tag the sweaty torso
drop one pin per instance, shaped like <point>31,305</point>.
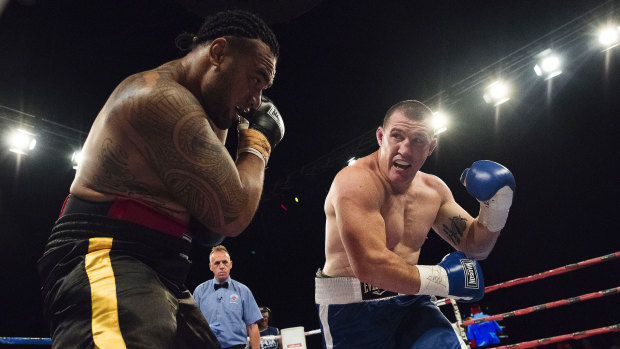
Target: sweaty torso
<point>115,160</point>
<point>408,219</point>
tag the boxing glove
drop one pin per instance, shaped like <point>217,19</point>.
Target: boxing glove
<point>260,125</point>
<point>456,276</point>
<point>493,186</point>
<point>267,120</point>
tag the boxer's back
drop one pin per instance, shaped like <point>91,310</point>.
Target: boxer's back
<point>116,159</point>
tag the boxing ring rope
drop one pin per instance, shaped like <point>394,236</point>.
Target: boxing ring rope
<point>543,275</point>
<point>277,336</point>
<point>545,306</point>
<point>48,341</point>
<point>26,340</point>
<point>564,337</point>
<point>459,321</point>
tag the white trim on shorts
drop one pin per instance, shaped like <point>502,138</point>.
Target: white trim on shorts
<point>344,290</point>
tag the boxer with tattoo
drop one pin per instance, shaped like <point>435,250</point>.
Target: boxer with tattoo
<point>371,292</point>
<point>156,175</point>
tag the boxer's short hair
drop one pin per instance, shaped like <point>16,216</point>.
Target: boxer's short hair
<point>412,109</point>
<point>230,23</point>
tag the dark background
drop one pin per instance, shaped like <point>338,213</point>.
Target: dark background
<point>343,64</point>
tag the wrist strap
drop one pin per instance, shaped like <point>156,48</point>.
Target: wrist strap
<point>494,212</point>
<point>433,281</point>
<point>254,140</point>
<point>494,220</point>
<point>255,152</point>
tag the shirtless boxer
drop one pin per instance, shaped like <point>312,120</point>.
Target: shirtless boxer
<point>371,293</point>
<point>155,167</point>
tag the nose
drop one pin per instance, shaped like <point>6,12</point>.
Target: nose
<point>405,147</point>
<point>255,100</point>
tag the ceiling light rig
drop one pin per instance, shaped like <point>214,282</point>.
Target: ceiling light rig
<point>440,122</point>
<point>609,36</point>
<point>498,92</point>
<point>21,141</point>
<point>515,66</point>
<point>549,64</point>
<point>76,158</point>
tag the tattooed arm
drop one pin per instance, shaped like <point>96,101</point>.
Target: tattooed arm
<point>152,141</point>
<point>460,229</point>
<point>194,165</point>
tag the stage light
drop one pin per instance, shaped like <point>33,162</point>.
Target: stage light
<point>296,199</point>
<point>549,64</point>
<point>440,122</point>
<point>76,158</point>
<point>22,141</point>
<point>609,36</point>
<point>497,93</point>
<point>351,161</point>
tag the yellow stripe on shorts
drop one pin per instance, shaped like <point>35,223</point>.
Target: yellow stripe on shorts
<point>105,326</point>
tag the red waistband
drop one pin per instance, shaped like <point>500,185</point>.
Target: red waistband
<point>130,210</point>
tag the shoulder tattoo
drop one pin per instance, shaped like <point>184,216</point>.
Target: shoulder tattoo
<point>190,160</point>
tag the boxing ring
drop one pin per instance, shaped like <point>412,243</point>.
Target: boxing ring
<point>541,307</point>
<point>460,325</point>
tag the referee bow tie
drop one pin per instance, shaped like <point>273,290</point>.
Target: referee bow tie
<point>218,286</point>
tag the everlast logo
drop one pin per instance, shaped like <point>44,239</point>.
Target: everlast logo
<point>275,115</point>
<point>471,275</point>
<point>373,292</point>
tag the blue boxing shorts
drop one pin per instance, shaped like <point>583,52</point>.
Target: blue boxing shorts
<point>357,315</point>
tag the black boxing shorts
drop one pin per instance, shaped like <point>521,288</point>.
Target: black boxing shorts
<point>113,283</point>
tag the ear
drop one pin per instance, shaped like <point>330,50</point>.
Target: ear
<point>380,135</point>
<point>434,143</point>
<point>230,265</point>
<point>217,50</point>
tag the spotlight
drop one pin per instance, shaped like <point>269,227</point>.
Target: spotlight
<point>76,158</point>
<point>351,161</point>
<point>440,123</point>
<point>609,36</point>
<point>22,141</point>
<point>549,65</point>
<point>497,93</point>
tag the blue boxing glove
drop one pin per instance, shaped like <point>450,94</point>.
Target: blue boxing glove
<point>456,277</point>
<point>493,186</point>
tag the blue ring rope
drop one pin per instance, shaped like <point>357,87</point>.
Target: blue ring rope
<point>26,340</point>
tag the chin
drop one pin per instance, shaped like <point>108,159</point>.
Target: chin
<point>402,176</point>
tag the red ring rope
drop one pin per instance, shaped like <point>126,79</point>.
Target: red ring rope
<point>545,306</point>
<point>543,275</point>
<point>564,337</point>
